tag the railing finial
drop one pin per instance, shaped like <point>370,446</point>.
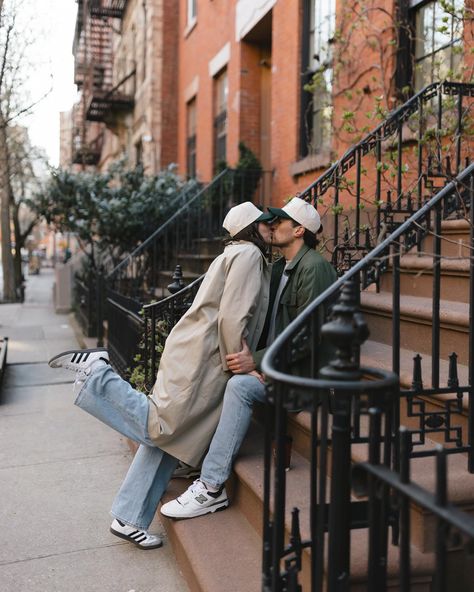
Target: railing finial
<point>346,330</point>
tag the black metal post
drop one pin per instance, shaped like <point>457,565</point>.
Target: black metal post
<point>100,298</point>
<point>344,332</point>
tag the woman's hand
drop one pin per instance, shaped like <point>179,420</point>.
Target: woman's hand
<point>242,362</point>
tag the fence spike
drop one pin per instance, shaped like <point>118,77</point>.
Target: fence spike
<point>453,380</point>
<point>417,382</point>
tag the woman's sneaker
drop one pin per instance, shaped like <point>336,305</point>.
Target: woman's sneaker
<point>140,538</point>
<point>80,360</point>
<point>197,500</point>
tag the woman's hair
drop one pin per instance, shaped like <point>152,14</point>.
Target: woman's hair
<point>251,234</point>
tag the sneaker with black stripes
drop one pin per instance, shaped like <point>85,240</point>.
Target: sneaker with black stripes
<point>80,360</point>
<point>197,500</point>
<point>140,538</point>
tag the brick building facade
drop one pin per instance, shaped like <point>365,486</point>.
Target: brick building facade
<point>191,79</point>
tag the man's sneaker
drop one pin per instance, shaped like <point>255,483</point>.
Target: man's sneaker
<point>80,360</point>
<point>184,471</point>
<point>196,501</point>
<point>140,538</point>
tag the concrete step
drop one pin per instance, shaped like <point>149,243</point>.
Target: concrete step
<point>227,547</point>
<point>197,263</point>
<point>416,315</point>
<point>455,239</point>
<point>216,552</point>
<point>379,355</point>
<point>416,277</point>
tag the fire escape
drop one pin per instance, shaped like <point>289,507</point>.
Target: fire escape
<point>106,84</point>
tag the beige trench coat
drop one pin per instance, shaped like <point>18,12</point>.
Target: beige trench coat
<point>187,396</point>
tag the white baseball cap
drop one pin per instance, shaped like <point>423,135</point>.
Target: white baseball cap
<point>241,216</point>
<point>300,211</point>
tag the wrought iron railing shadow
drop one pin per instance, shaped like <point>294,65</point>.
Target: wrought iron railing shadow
<point>322,394</point>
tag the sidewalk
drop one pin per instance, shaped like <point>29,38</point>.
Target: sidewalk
<point>59,472</point>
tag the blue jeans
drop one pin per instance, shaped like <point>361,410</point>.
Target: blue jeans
<point>241,392</point>
<point>114,402</point>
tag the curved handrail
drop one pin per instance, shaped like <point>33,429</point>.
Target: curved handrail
<point>384,130</point>
<point>173,297</point>
<point>302,320</point>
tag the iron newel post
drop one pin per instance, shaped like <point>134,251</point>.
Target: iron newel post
<point>346,330</point>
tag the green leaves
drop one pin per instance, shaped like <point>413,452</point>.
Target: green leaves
<point>113,211</point>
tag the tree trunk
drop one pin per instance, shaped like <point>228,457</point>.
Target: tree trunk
<point>9,284</point>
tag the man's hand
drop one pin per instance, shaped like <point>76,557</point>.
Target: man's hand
<point>242,362</point>
<point>257,374</point>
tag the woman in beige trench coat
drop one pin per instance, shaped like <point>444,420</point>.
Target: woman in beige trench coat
<point>178,419</point>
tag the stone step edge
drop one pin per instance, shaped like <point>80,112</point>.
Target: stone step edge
<point>418,308</point>
<point>460,481</point>
<point>215,548</point>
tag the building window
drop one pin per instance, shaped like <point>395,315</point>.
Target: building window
<point>221,91</point>
<point>191,139</point>
<point>319,24</point>
<point>438,40</point>
<point>192,11</point>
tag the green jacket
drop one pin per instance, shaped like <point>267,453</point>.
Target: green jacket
<point>309,275</point>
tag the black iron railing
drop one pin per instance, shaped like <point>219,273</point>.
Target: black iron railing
<point>394,491</point>
<point>384,178</point>
<point>323,395</point>
<point>86,303</point>
<point>196,218</point>
<point>159,318</point>
<point>190,234</point>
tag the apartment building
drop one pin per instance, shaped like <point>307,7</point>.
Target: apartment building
<point>298,82</point>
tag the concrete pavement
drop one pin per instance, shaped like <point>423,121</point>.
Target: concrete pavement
<point>59,471</point>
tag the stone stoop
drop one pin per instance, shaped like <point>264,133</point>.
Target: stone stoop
<point>227,546</point>
<point>193,264</point>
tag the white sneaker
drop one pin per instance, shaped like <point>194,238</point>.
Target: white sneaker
<point>83,361</point>
<point>140,538</point>
<point>196,501</point>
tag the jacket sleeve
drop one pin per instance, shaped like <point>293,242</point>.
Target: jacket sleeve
<point>242,286</point>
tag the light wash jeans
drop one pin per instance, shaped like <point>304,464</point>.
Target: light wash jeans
<point>114,402</point>
<point>241,392</point>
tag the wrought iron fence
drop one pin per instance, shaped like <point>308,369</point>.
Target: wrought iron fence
<point>158,320</point>
<point>386,176</point>
<point>325,400</point>
<point>85,303</point>
<point>144,275</point>
<point>390,491</point>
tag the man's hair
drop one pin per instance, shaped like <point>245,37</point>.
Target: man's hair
<point>309,237</point>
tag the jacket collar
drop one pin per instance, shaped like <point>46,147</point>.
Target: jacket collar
<point>299,255</point>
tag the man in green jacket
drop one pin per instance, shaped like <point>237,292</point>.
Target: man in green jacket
<point>298,277</point>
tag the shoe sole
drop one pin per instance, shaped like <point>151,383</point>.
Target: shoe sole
<point>130,540</point>
<point>203,512</point>
<point>76,351</point>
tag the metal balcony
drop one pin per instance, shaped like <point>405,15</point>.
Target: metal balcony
<point>107,8</point>
<point>105,102</point>
<point>87,153</point>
